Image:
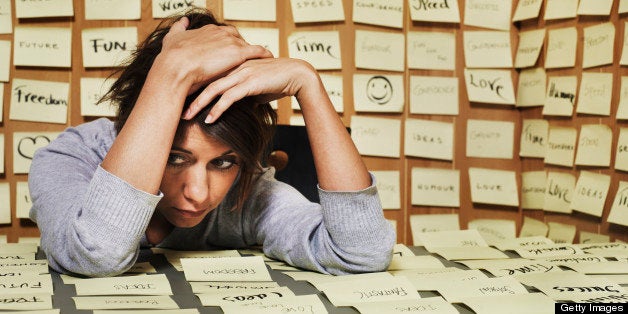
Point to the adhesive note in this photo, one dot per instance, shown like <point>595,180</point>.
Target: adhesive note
<point>124,302</point>
<point>561,233</point>
<point>287,304</point>
<point>432,223</point>
<point>490,139</point>
<point>108,47</point>
<point>559,192</point>
<point>561,96</point>
<point>489,86</point>
<point>500,286</point>
<point>434,95</point>
<point>533,189</point>
<point>518,266</point>
<point>487,49</point>
<point>92,89</point>
<point>5,203</point>
<point>426,281</point>
<point>598,44</point>
<point>561,47</point>
<point>517,303</point>
<point>26,302</point>
<point>561,146</point>
<point>250,10</point>
<point>379,50</point>
<point>451,238</point>
<point>129,285</point>
<point>532,227</point>
<point>219,286</point>
<point>552,250</point>
<point>438,11</point>
<point>534,136</point>
<point>49,8</point>
<point>426,305</point>
<point>591,237</point>
<point>23,202</point>
<point>429,139</point>
<point>531,91</point>
<point>39,101</point>
<point>297,120</point>
<point>493,14</point>
<point>490,186</point>
<point>17,248</point>
<point>436,187</point>
<point>30,44</point>
<point>333,87</point>
<point>623,6</point>
<point>595,7</point>
<point>527,10</point>
<point>265,37</point>
<point>594,145</point>
<point>246,268</point>
<point>6,17</point>
<point>530,44</point>
<point>619,209</point>
<point>595,93</point>
<point>376,136</point>
<point>431,50</point>
<point>24,146</point>
<point>494,230</point>
<point>622,109</point>
<point>320,48</point>
<point>388,188</point>
<point>165,8</point>
<point>378,93</point>
<point>560,9</point>
<point>468,253</point>
<point>244,297</point>
<point>349,293</point>
<point>379,12</point>
<point>603,248</point>
<point>621,156</point>
<point>575,286</point>
<point>305,11</point>
<point>5,60</point>
<point>624,49</point>
<point>37,284</point>
<point>400,249</point>
<point>112,10</point>
<point>414,262</point>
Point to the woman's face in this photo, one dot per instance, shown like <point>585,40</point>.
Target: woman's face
<point>198,175</point>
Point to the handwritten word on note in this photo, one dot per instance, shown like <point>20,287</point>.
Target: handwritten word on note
<point>490,139</point>
<point>528,9</point>
<point>319,48</point>
<point>435,187</point>
<point>487,49</point>
<point>595,93</point>
<point>561,146</point>
<point>481,287</point>
<point>348,293</point>
<point>531,91</point>
<point>429,139</point>
<point>549,251</point>
<point>309,303</point>
<point>112,10</point>
<point>39,101</point>
<point>248,268</point>
<point>431,50</point>
<point>594,145</point>
<point>24,146</point>
<point>379,50</point>
<point>26,302</point>
<point>388,188</point>
<point>489,86</point>
<point>530,43</point>
<point>434,95</point>
<point>561,96</point>
<point>598,45</point>
<point>244,297</point>
<point>48,8</point>
<point>165,8</point>
<point>6,17</point>
<point>378,93</point>
<point>42,46</point>
<point>489,186</point>
<point>307,11</point>
<point>427,305</point>
<point>533,189</point>
<point>619,209</point>
<point>376,136</point>
<point>219,286</point>
<point>445,11</point>
<point>107,47</point>
<point>379,12</point>
<point>561,47</point>
<point>494,230</point>
<point>559,191</point>
<point>518,266</point>
<point>26,285</point>
<point>534,133</point>
<point>493,14</point>
<point>92,89</point>
<point>131,285</point>
<point>124,302</point>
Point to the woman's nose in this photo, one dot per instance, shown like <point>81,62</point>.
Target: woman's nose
<point>196,187</point>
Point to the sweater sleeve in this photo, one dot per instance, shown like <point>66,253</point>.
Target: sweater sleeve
<point>345,233</point>
<point>91,222</point>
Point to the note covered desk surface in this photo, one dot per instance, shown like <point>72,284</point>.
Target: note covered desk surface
<point>477,289</point>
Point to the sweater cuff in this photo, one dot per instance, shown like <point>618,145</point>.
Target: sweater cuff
<point>115,203</point>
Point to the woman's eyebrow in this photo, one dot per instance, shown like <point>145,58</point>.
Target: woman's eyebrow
<point>225,153</point>
<point>181,149</point>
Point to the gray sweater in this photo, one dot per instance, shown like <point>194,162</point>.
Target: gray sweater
<point>93,223</point>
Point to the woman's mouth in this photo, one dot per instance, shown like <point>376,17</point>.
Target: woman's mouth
<point>185,213</point>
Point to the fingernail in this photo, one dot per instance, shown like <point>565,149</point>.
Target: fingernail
<point>209,119</point>
<point>186,115</point>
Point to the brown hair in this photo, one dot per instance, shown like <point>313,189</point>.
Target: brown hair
<point>246,127</point>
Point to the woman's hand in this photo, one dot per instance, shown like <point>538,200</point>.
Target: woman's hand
<point>201,55</point>
<point>265,79</point>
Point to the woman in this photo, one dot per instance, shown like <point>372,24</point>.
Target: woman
<point>181,166</point>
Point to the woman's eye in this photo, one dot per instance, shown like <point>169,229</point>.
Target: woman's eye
<point>223,163</point>
<point>175,160</point>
